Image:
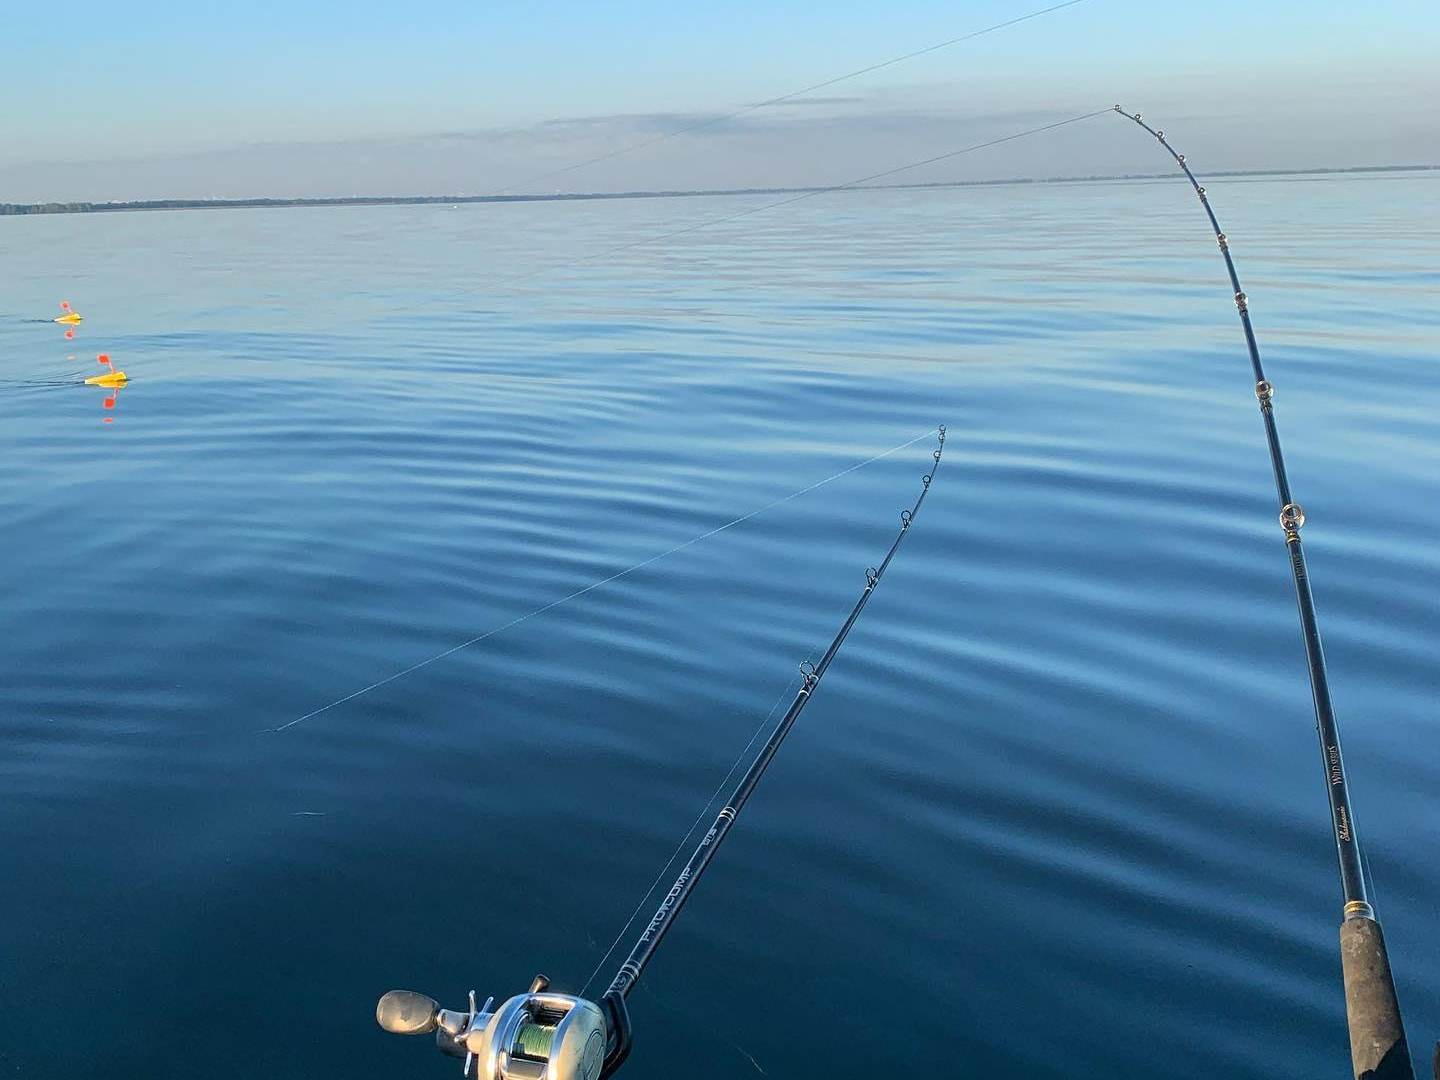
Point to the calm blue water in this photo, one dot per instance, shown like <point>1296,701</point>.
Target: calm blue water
<point>1058,811</point>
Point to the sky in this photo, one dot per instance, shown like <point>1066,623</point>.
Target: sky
<point>194,100</point>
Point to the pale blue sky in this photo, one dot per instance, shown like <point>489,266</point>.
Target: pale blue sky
<point>156,99</point>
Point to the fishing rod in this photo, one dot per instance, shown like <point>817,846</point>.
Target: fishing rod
<point>1378,1048</point>
<point>541,1035</point>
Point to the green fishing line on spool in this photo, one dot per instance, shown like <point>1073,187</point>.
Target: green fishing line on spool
<point>535,1040</point>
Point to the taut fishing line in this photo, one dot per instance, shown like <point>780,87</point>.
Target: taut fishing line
<point>712,121</point>
<point>601,582</point>
<point>849,184</point>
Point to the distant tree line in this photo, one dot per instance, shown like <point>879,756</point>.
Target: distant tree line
<point>13,209</point>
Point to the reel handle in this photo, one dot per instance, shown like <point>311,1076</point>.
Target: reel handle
<point>405,1012</point>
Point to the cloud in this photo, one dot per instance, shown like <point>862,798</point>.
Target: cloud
<point>833,142</point>
<point>803,101</point>
<point>646,121</point>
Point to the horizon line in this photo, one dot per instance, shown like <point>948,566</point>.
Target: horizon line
<point>263,202</point>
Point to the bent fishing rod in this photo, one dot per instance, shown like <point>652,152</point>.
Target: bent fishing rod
<point>1378,1048</point>
<point>543,1035</point>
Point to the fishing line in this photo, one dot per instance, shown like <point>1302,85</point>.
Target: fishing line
<point>799,198</point>
<point>552,605</point>
<point>701,124</point>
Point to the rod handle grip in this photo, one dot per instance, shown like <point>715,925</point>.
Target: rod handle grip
<point>1377,1035</point>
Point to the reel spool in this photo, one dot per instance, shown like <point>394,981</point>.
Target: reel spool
<point>532,1036</point>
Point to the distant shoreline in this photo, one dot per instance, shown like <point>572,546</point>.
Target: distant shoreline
<point>26,209</point>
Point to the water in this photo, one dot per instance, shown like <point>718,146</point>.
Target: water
<point>1058,810</point>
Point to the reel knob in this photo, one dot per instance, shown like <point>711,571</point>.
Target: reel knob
<point>405,1012</point>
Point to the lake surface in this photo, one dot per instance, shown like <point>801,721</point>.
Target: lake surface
<point>1058,809</point>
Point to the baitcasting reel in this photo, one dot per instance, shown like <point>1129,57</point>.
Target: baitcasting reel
<point>532,1036</point>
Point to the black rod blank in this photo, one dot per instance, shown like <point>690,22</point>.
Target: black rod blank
<point>1377,1037</point>
<point>674,900</point>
